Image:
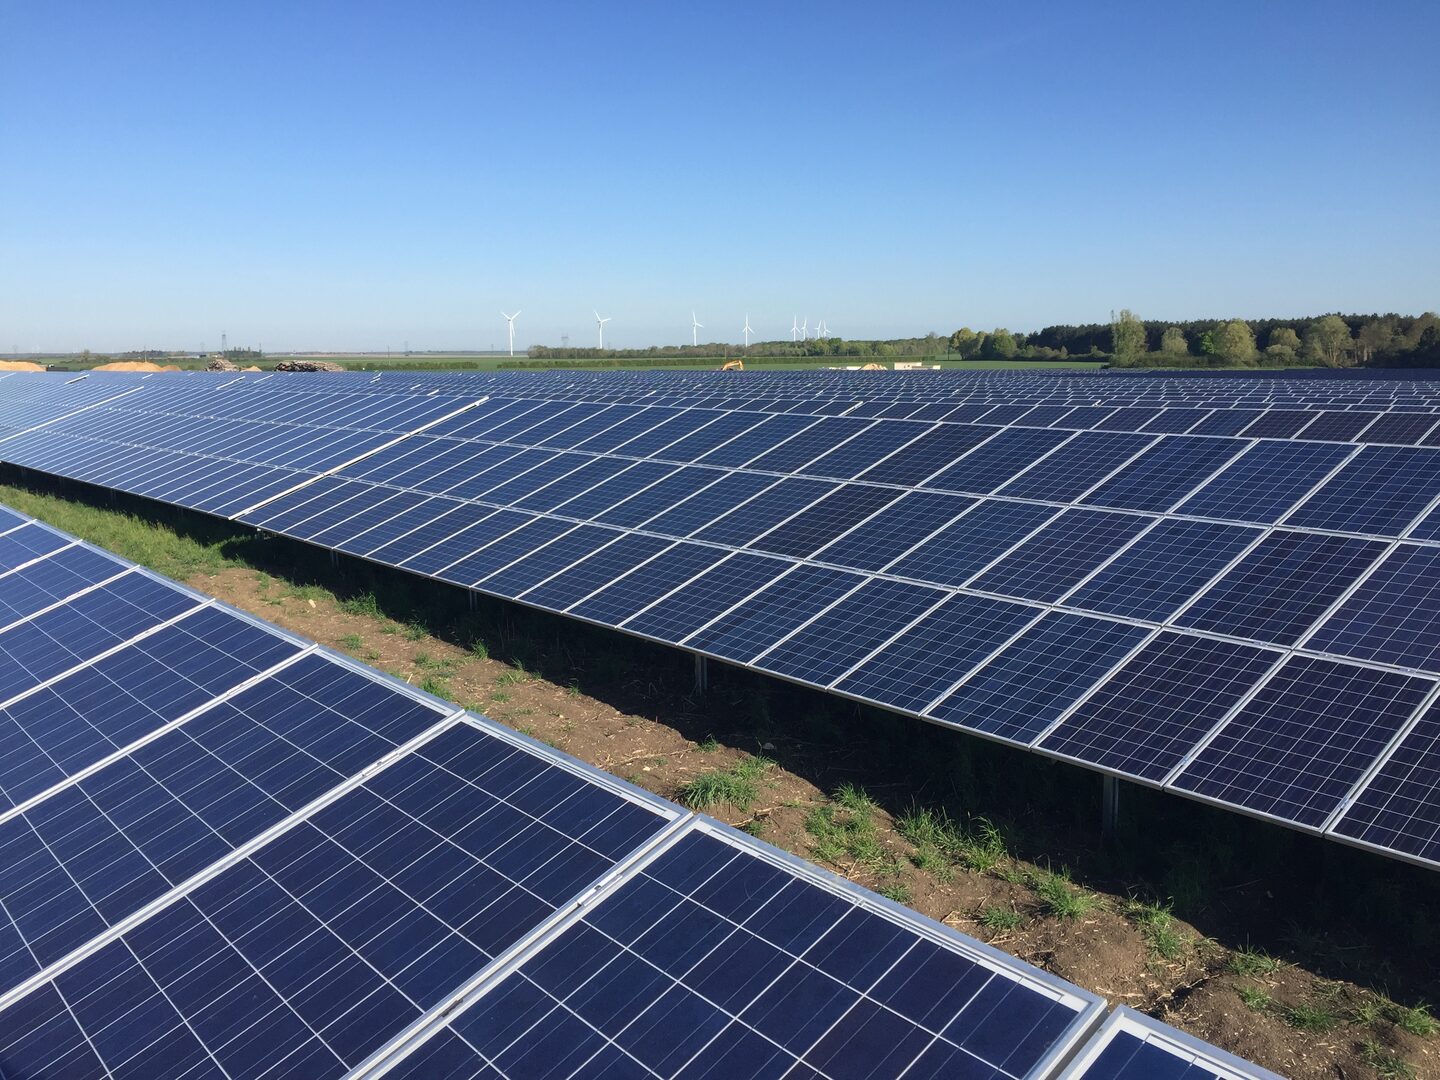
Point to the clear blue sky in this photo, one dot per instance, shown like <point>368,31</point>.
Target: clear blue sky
<point>352,175</point>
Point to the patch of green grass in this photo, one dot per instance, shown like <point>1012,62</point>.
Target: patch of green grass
<point>1252,962</point>
<point>1158,925</point>
<point>390,628</point>
<point>1417,1019</point>
<point>311,594</point>
<point>1388,1065</point>
<point>352,642</point>
<point>737,786</point>
<point>999,919</point>
<point>939,840</point>
<point>425,662</point>
<point>898,891</point>
<point>364,604</point>
<point>371,656</point>
<point>1307,1017</point>
<point>710,745</point>
<point>515,675</point>
<point>1254,997</point>
<point>414,631</point>
<point>479,650</point>
<point>1060,898</point>
<point>755,827</point>
<point>573,689</point>
<point>500,697</point>
<point>439,685</point>
<point>843,831</point>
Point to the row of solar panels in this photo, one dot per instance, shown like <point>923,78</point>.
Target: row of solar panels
<point>842,389</point>
<point>226,851</point>
<point>1284,673</point>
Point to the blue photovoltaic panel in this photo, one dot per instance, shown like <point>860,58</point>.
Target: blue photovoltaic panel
<point>459,537</point>
<point>839,639</point>
<point>42,584</point>
<point>498,554</point>
<point>1393,617</point>
<point>695,508</point>
<point>1164,474</point>
<point>1163,569</point>
<point>1265,482</point>
<point>756,441</point>
<point>762,513</point>
<point>930,657</point>
<point>963,548</point>
<point>927,455</point>
<point>1295,750</point>
<point>774,612</point>
<point>1147,716</point>
<point>687,609</point>
<point>1031,682</point>
<point>823,521</point>
<point>1281,587</point>
<point>530,570</point>
<point>9,519</point>
<point>897,528</point>
<point>823,436</point>
<point>1077,466</point>
<point>865,450</point>
<point>986,467</point>
<point>715,962</point>
<point>91,853</point>
<point>596,571</point>
<point>1132,1046</point>
<point>647,583</point>
<point>1051,562</point>
<point>595,500</point>
<point>32,652</point>
<point>1399,427</point>
<point>1399,809</point>
<point>26,543</point>
<point>1225,422</point>
<point>60,729</point>
<point>328,940</point>
<point>1382,490</point>
<point>1278,424</point>
<point>1340,426</point>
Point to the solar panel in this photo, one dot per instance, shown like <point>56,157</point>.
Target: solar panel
<point>1398,809</point>
<point>1133,1046</point>
<point>718,959</point>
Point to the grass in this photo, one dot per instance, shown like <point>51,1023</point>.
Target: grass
<point>415,631</point>
<point>709,745</point>
<point>353,642</point>
<point>1388,1065</point>
<point>439,685</point>
<point>1060,898</point>
<point>999,919</point>
<point>1307,1017</point>
<point>1417,1019</point>
<point>737,786</point>
<point>1255,998</point>
<point>843,830</point>
<point>1252,962</point>
<point>1157,924</point>
<point>941,843</point>
<point>364,604</point>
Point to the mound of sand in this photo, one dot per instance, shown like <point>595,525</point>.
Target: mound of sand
<point>134,365</point>
<point>20,365</point>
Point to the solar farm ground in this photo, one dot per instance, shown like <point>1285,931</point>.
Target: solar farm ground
<point>1305,957</point>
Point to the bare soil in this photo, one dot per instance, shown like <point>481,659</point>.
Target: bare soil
<point>1317,1014</point>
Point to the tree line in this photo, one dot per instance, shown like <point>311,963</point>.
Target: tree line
<point>1333,340</point>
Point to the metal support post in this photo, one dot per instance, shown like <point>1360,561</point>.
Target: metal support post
<point>702,674</point>
<point>1110,809</point>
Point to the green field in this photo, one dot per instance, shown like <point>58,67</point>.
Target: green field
<point>494,363</point>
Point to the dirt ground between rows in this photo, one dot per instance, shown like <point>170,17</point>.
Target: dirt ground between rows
<point>1288,1019</point>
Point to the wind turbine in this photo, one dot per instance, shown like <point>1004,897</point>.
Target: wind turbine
<point>600,327</point>
<point>805,329</point>
<point>747,331</point>
<point>510,320</point>
<point>794,328</point>
<point>695,328</point>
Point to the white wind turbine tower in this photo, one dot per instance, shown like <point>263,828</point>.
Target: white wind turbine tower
<point>794,328</point>
<point>695,328</point>
<point>510,321</point>
<point>747,330</point>
<point>805,329</point>
<point>600,327</point>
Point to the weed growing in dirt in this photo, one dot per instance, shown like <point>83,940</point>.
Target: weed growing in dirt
<point>1000,919</point>
<point>1061,898</point>
<point>479,650</point>
<point>709,746</point>
<point>844,831</point>
<point>414,631</point>
<point>352,642</point>
<point>1388,1065</point>
<point>439,685</point>
<point>1252,962</point>
<point>1254,998</point>
<point>898,891</point>
<point>363,604</point>
<point>737,786</point>
<point>1416,1020</point>
<point>940,841</point>
<point>1307,1017</point>
<point>1158,925</point>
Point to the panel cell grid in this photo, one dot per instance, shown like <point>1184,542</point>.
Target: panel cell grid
<point>1264,483</point>
<point>1380,492</point>
<point>1296,749</point>
<point>1399,809</point>
<point>1051,562</point>
<point>1394,616</point>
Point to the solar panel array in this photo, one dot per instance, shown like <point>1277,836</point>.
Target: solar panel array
<point>1220,587</point>
<point>225,851</point>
